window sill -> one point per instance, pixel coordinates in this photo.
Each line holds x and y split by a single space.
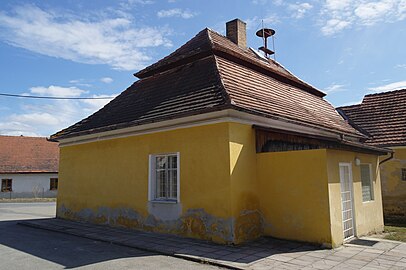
164 201
370 201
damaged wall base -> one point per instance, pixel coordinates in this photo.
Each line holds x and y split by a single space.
195 223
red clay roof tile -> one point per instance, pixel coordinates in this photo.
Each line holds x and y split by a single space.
20 154
381 116
211 73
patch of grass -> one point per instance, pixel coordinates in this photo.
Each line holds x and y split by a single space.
395 232
26 200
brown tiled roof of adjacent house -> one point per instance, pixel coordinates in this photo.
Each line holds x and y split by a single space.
211 73
381 116
20 154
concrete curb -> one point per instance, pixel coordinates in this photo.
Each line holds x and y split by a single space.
171 254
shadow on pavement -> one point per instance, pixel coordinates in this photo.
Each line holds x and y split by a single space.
179 246
67 250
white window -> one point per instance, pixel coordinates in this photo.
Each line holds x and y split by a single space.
164 177
366 181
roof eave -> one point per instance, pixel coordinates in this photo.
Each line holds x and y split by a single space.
27 172
57 138
356 146
374 149
301 123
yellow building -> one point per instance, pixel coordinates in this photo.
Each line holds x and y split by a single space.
218 142
383 118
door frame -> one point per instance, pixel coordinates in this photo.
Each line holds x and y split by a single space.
351 183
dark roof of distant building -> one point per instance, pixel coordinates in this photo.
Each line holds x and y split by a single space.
211 73
381 116
20 154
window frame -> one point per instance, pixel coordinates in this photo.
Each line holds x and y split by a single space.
152 189
50 183
372 197
11 185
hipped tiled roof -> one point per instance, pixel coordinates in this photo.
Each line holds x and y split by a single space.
20 154
381 116
211 73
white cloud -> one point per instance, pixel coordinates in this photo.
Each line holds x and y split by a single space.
80 82
113 41
106 80
277 2
337 15
45 117
129 4
57 91
333 26
333 88
389 87
36 118
17 129
269 21
260 2
401 66
369 13
337 4
299 9
350 103
176 12
142 2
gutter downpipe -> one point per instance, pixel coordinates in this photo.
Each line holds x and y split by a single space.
387 159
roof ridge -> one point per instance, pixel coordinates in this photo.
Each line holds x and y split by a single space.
385 93
348 106
266 64
228 98
172 57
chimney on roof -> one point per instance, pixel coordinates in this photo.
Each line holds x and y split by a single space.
237 33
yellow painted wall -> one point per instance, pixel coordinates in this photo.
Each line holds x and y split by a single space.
368 215
393 188
105 181
228 192
245 198
294 195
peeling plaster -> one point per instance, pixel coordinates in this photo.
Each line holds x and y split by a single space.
194 223
165 211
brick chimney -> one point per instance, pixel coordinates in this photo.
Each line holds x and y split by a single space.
237 33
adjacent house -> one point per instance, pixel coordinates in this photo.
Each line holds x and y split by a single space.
383 118
28 167
217 142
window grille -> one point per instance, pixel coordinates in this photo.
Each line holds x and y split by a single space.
164 177
366 181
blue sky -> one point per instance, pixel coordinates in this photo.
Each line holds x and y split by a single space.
72 48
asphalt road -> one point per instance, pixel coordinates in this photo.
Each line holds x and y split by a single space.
29 248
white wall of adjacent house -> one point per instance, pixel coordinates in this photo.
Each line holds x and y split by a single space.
29 185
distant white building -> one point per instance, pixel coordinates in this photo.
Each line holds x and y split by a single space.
28 167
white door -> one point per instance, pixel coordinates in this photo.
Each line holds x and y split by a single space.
347 200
